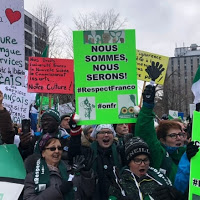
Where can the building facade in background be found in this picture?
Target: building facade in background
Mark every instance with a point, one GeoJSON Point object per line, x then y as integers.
{"type": "Point", "coordinates": [36, 36]}
{"type": "Point", "coordinates": [180, 74]}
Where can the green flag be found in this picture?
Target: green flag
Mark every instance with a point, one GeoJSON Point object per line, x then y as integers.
{"type": "Point", "coordinates": [45, 52]}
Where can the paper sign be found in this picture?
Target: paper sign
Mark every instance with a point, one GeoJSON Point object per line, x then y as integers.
{"type": "Point", "coordinates": [12, 172]}
{"type": "Point", "coordinates": [105, 76]}
{"type": "Point", "coordinates": [192, 109]}
{"type": "Point", "coordinates": [17, 101]}
{"type": "Point", "coordinates": [48, 75]}
{"type": "Point", "coordinates": [194, 188]}
{"type": "Point", "coordinates": [145, 59]}
{"type": "Point", "coordinates": [173, 114]}
{"type": "Point", "coordinates": [12, 62]}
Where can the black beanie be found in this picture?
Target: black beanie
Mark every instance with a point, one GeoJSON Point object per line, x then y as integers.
{"type": "Point", "coordinates": [134, 147]}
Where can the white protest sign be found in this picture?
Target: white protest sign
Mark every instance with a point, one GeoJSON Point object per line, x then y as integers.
{"type": "Point", "coordinates": [12, 62]}
{"type": "Point", "coordinates": [17, 101]}
{"type": "Point", "coordinates": [66, 108]}
{"type": "Point", "coordinates": [192, 109]}
{"type": "Point", "coordinates": [173, 114]}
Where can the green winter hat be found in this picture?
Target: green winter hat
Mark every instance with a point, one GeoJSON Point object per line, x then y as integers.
{"type": "Point", "coordinates": [53, 113]}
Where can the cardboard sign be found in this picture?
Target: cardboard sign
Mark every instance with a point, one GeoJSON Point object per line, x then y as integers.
{"type": "Point", "coordinates": [173, 114]}
{"type": "Point", "coordinates": [145, 59]}
{"type": "Point", "coordinates": [12, 63]}
{"type": "Point", "coordinates": [12, 172]}
{"type": "Point", "coordinates": [105, 76]}
{"type": "Point", "coordinates": [194, 187]}
{"type": "Point", "coordinates": [48, 75]}
{"type": "Point", "coordinates": [17, 101]}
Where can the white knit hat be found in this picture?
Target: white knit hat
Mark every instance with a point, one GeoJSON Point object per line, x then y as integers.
{"type": "Point", "coordinates": [101, 126]}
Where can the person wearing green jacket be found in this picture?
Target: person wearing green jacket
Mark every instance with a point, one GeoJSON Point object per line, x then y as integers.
{"type": "Point", "coordinates": [166, 146]}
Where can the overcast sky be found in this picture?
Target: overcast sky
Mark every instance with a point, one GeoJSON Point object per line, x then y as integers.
{"type": "Point", "coordinates": [160, 24]}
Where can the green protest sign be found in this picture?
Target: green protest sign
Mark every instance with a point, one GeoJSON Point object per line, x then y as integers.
{"type": "Point", "coordinates": [194, 191]}
{"type": "Point", "coordinates": [105, 76]}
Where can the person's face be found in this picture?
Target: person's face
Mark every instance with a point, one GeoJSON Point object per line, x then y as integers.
{"type": "Point", "coordinates": [139, 165]}
{"type": "Point", "coordinates": [65, 123]}
{"type": "Point", "coordinates": [52, 157]}
{"type": "Point", "coordinates": [183, 130]}
{"type": "Point", "coordinates": [122, 129]}
{"type": "Point", "coordinates": [88, 135]}
{"type": "Point", "coordinates": [105, 138]}
{"type": "Point", "coordinates": [48, 124]}
{"type": "Point", "coordinates": [174, 138]}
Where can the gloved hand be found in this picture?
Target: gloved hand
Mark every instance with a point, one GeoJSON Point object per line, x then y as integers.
{"type": "Point", "coordinates": [75, 129]}
{"type": "Point", "coordinates": [78, 163]}
{"type": "Point", "coordinates": [164, 192]}
{"type": "Point", "coordinates": [149, 94]}
{"type": "Point", "coordinates": [191, 150]}
{"type": "Point", "coordinates": [66, 186]}
{"type": "Point", "coordinates": [154, 70]}
{"type": "Point", "coordinates": [89, 160]}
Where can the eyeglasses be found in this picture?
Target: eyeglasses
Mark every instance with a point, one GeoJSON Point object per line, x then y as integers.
{"type": "Point", "coordinates": [139, 161]}
{"type": "Point", "coordinates": [175, 135]}
{"type": "Point", "coordinates": [104, 132]}
{"type": "Point", "coordinates": [54, 148]}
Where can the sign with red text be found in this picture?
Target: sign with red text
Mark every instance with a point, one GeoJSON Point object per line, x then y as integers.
{"type": "Point", "coordinates": [12, 63]}
{"type": "Point", "coordinates": [49, 75]}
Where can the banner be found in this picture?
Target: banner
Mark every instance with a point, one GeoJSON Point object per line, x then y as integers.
{"type": "Point", "coordinates": [145, 59]}
{"type": "Point", "coordinates": [17, 101]}
{"type": "Point", "coordinates": [105, 76]}
{"type": "Point", "coordinates": [12, 172]}
{"type": "Point", "coordinates": [48, 75]}
{"type": "Point", "coordinates": [194, 187]}
{"type": "Point", "coordinates": [12, 59]}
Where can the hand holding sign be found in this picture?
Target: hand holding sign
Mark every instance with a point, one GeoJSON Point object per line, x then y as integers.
{"type": "Point", "coordinates": [154, 70]}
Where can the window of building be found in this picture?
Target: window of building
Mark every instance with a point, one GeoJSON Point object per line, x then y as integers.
{"type": "Point", "coordinates": [39, 44]}
{"type": "Point", "coordinates": [28, 21]}
{"type": "Point", "coordinates": [184, 60]}
{"type": "Point", "coordinates": [172, 62]}
{"type": "Point", "coordinates": [191, 60]}
{"type": "Point", "coordinates": [178, 61]}
{"type": "Point", "coordinates": [28, 52]}
{"type": "Point", "coordinates": [197, 61]}
{"type": "Point", "coordinates": [28, 38]}
{"type": "Point", "coordinates": [40, 31]}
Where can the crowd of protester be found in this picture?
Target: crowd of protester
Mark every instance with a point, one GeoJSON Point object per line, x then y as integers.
{"type": "Point", "coordinates": [139, 161]}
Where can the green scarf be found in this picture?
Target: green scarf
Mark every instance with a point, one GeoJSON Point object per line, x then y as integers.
{"type": "Point", "coordinates": [42, 176]}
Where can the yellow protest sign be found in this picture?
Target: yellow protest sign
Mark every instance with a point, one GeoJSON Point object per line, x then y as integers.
{"type": "Point", "coordinates": [145, 59]}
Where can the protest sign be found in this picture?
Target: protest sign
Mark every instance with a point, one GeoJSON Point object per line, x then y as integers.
{"type": "Point", "coordinates": [12, 42]}
{"type": "Point", "coordinates": [194, 188]}
{"type": "Point", "coordinates": [105, 76]}
{"type": "Point", "coordinates": [16, 101]}
{"type": "Point", "coordinates": [173, 114]}
{"type": "Point", "coordinates": [192, 109]}
{"type": "Point", "coordinates": [144, 59]}
{"type": "Point", "coordinates": [48, 75]}
{"type": "Point", "coordinates": [12, 172]}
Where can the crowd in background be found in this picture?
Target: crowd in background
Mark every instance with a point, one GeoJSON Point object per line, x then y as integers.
{"type": "Point", "coordinates": [106, 161]}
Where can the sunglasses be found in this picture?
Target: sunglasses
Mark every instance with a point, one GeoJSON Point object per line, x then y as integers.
{"type": "Point", "coordinates": [54, 148]}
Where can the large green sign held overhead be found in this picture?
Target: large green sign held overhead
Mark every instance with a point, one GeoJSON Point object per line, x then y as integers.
{"type": "Point", "coordinates": [105, 76]}
{"type": "Point", "coordinates": [194, 191]}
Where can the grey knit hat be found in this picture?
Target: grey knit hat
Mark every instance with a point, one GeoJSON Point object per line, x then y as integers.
{"type": "Point", "coordinates": [134, 147]}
